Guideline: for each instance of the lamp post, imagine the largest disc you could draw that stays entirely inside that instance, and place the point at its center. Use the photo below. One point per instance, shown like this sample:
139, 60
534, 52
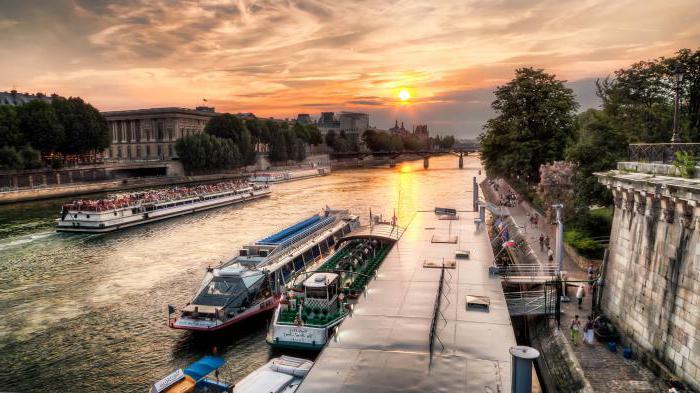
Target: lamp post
678, 78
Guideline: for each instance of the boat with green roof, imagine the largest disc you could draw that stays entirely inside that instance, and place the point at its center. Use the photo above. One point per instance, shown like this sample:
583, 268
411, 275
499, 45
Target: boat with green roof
318, 301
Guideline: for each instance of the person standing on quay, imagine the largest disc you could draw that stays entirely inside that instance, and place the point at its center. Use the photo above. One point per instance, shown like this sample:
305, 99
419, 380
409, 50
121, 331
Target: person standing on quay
541, 242
575, 327
546, 241
550, 254
588, 331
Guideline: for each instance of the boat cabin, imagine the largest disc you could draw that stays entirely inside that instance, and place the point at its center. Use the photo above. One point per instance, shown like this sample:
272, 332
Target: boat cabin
321, 290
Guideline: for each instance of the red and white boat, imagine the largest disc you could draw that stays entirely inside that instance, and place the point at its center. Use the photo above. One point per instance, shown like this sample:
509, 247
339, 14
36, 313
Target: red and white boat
251, 282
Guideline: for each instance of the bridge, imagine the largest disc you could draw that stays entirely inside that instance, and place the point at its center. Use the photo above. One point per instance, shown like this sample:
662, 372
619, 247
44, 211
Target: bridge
425, 154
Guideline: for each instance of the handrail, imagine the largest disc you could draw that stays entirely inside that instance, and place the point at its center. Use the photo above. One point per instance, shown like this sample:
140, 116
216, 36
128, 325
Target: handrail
436, 312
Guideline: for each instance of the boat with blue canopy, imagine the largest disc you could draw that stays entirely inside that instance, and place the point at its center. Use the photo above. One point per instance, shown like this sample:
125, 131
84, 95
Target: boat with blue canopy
251, 282
193, 379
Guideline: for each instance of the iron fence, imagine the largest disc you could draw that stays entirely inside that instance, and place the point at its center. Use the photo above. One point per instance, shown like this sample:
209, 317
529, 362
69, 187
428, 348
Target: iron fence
661, 152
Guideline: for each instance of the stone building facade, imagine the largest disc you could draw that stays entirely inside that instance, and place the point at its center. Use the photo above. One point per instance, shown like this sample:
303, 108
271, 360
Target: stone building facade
150, 134
651, 285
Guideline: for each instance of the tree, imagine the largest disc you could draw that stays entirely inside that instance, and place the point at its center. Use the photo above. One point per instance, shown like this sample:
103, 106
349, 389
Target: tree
536, 118
301, 132
598, 147
84, 126
40, 127
330, 138
278, 146
556, 185
228, 126
315, 137
10, 158
31, 158
10, 134
206, 152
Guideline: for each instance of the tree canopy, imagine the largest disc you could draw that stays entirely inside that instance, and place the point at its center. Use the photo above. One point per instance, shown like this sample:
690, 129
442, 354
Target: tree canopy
40, 127
206, 152
536, 115
85, 128
230, 127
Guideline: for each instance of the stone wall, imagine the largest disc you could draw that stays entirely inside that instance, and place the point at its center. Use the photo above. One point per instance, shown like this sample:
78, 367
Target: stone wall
652, 278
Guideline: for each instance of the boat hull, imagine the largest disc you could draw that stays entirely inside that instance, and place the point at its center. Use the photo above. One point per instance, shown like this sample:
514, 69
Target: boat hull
185, 323
166, 215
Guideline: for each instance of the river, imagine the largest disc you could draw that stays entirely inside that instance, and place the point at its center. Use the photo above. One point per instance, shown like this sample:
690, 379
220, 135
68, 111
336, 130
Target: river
87, 313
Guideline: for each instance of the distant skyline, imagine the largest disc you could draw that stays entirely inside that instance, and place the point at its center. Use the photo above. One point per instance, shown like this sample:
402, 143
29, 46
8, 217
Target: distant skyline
280, 58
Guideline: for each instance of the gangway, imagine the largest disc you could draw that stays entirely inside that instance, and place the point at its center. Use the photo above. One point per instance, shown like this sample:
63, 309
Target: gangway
542, 302
527, 274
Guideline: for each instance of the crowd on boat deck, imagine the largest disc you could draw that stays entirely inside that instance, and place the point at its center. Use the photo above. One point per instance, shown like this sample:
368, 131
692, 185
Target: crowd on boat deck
152, 196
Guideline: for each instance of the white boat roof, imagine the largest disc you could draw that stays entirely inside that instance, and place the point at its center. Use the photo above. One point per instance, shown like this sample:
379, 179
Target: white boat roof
320, 280
263, 380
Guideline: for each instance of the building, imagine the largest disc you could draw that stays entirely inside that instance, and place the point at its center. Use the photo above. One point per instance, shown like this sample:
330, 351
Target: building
327, 122
14, 98
421, 132
150, 134
304, 119
396, 130
353, 122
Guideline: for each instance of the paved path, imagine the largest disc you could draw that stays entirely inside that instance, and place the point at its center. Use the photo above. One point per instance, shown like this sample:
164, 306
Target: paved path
606, 371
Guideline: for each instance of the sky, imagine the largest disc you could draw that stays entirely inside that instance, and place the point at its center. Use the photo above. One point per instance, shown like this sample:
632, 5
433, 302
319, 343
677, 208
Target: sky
280, 58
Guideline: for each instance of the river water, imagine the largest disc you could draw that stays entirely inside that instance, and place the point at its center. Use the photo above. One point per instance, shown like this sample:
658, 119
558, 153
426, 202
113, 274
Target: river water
87, 313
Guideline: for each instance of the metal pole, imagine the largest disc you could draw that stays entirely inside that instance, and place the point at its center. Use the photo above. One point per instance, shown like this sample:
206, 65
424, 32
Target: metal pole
560, 237
475, 195
675, 138
521, 366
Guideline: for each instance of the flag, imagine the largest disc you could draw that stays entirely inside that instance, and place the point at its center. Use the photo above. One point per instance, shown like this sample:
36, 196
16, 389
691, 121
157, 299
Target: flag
171, 309
509, 243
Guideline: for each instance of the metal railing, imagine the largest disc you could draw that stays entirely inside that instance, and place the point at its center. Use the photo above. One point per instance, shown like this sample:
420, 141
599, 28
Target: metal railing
437, 313
531, 302
661, 152
531, 270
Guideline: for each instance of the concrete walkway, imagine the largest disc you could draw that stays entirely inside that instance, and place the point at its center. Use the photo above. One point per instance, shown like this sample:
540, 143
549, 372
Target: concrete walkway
605, 371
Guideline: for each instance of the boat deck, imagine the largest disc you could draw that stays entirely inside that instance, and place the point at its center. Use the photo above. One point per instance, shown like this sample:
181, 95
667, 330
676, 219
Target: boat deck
385, 345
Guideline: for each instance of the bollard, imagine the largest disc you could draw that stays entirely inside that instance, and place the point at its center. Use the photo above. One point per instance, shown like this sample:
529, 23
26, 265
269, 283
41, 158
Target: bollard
521, 366
461, 162
475, 194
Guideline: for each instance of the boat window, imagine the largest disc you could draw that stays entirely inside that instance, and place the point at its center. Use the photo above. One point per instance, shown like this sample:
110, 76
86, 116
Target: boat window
222, 286
298, 263
308, 255
317, 293
315, 251
324, 247
87, 216
331, 241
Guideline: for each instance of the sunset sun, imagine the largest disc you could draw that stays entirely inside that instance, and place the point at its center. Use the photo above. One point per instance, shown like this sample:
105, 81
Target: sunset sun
404, 95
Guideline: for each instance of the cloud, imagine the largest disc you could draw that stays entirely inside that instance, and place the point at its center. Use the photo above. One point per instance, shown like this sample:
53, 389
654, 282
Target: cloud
275, 58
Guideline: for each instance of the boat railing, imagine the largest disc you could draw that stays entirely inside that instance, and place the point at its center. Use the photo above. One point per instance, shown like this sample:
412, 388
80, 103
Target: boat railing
294, 241
436, 315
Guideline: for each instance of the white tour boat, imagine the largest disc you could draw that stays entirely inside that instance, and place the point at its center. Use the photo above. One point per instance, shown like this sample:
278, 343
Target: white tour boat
280, 375
127, 210
284, 176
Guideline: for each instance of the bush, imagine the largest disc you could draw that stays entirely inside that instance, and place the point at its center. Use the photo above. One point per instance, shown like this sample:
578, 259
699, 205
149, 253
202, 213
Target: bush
583, 243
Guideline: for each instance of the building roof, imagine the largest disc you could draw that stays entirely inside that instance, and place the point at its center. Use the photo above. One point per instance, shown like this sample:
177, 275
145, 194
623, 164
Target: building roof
385, 344
159, 111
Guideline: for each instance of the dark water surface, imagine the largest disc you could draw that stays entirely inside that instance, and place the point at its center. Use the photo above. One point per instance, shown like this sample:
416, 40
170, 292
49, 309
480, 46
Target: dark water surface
87, 313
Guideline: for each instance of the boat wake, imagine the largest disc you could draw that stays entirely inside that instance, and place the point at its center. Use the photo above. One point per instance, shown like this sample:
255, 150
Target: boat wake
23, 240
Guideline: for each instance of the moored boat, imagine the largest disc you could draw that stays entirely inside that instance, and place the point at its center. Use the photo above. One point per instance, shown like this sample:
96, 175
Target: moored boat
280, 375
283, 176
127, 210
193, 379
310, 310
251, 282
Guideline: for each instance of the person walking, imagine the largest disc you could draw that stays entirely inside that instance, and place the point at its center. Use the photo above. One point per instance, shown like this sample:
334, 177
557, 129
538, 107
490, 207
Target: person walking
541, 242
588, 331
575, 327
550, 254
546, 241
580, 293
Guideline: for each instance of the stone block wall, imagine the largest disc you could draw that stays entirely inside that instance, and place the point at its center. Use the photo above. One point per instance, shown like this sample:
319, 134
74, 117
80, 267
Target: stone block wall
652, 278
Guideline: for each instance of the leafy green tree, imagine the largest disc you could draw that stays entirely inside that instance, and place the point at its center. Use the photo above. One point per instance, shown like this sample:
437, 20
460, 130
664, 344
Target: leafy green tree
598, 147
330, 138
31, 158
204, 152
315, 137
10, 134
40, 127
447, 142
412, 143
10, 158
231, 127
278, 146
301, 132
536, 118
84, 126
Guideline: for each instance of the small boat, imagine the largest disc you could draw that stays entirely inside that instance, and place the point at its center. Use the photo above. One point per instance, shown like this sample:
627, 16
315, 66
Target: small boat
310, 310
127, 210
193, 379
284, 176
251, 282
280, 375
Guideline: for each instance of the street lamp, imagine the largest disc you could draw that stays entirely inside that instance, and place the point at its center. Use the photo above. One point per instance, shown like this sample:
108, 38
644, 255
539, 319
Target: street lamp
678, 78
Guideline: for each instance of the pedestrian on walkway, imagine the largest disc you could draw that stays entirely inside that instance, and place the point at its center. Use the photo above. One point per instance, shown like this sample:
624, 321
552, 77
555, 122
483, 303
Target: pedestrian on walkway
580, 293
588, 331
575, 327
541, 242
546, 241
550, 254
